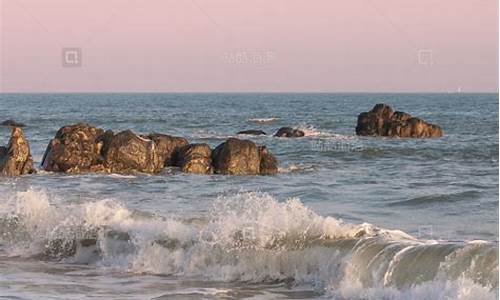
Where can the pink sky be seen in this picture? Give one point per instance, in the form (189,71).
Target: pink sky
(251,45)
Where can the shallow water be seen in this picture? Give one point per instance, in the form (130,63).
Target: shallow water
(347,217)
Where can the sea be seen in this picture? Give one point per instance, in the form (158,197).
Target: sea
(346,217)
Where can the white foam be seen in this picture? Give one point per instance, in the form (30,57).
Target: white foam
(312,131)
(264,120)
(461,289)
(252,237)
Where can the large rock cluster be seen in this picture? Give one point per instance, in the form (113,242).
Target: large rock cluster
(382,120)
(15,159)
(84,148)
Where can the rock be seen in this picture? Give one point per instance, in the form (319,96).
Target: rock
(268,163)
(166,146)
(383,121)
(12,123)
(289,132)
(128,152)
(236,157)
(15,159)
(252,132)
(415,128)
(194,158)
(242,157)
(84,148)
(76,148)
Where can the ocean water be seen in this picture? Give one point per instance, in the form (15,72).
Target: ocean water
(347,217)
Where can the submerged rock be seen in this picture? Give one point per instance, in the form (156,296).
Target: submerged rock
(15,159)
(289,132)
(12,123)
(194,158)
(252,132)
(383,121)
(242,157)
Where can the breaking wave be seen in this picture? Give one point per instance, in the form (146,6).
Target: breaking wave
(263,120)
(251,237)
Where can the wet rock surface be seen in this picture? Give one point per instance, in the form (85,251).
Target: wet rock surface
(194,158)
(128,152)
(383,121)
(15,158)
(242,157)
(289,132)
(84,148)
(76,148)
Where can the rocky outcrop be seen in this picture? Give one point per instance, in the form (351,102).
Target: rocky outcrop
(76,148)
(84,148)
(242,157)
(12,123)
(194,158)
(289,132)
(15,159)
(252,132)
(383,121)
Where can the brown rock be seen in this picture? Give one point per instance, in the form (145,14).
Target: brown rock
(236,157)
(127,152)
(75,148)
(84,148)
(243,157)
(383,121)
(194,158)
(15,159)
(417,128)
(166,145)
(268,163)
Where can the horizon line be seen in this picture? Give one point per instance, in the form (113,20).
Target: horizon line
(251,92)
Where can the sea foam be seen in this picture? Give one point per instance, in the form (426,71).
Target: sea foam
(251,237)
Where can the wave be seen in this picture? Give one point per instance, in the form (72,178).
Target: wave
(264,120)
(312,131)
(252,238)
(298,168)
(438,198)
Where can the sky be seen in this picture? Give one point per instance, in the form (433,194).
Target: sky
(249,46)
